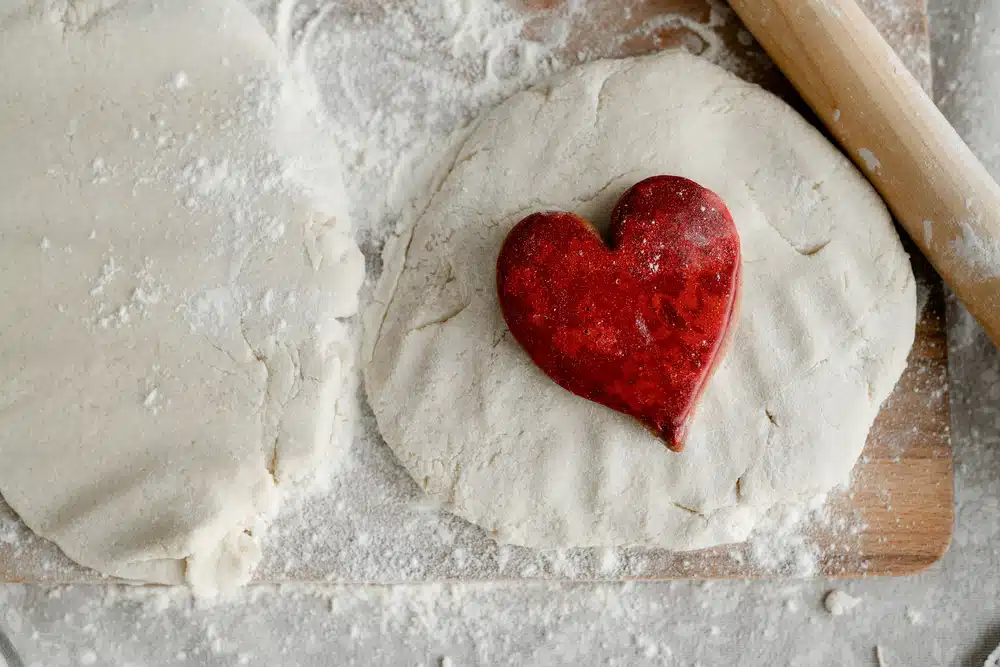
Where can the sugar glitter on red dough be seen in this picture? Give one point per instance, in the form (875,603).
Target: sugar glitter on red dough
(638,326)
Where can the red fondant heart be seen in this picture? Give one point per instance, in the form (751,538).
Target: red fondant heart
(640,326)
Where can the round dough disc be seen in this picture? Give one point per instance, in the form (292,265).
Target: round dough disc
(828,316)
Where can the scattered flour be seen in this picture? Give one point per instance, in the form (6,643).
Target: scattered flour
(981,253)
(401,79)
(871,161)
(782,544)
(838,603)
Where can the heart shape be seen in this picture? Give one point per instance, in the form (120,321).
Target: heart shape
(638,327)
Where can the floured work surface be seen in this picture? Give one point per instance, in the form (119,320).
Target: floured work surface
(374,526)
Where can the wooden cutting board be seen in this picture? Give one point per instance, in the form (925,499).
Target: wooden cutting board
(897,517)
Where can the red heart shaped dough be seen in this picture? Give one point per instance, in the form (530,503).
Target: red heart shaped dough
(640,326)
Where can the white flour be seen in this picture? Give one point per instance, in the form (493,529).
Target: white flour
(838,603)
(980,252)
(400,77)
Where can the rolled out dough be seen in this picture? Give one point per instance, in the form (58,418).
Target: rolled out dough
(171,361)
(828,317)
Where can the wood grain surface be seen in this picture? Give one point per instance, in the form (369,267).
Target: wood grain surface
(897,517)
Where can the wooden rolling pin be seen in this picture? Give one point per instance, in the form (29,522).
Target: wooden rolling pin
(884,120)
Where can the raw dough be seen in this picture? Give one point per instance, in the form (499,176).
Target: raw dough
(828,317)
(170,356)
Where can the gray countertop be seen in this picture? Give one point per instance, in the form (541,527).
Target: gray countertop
(949,615)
